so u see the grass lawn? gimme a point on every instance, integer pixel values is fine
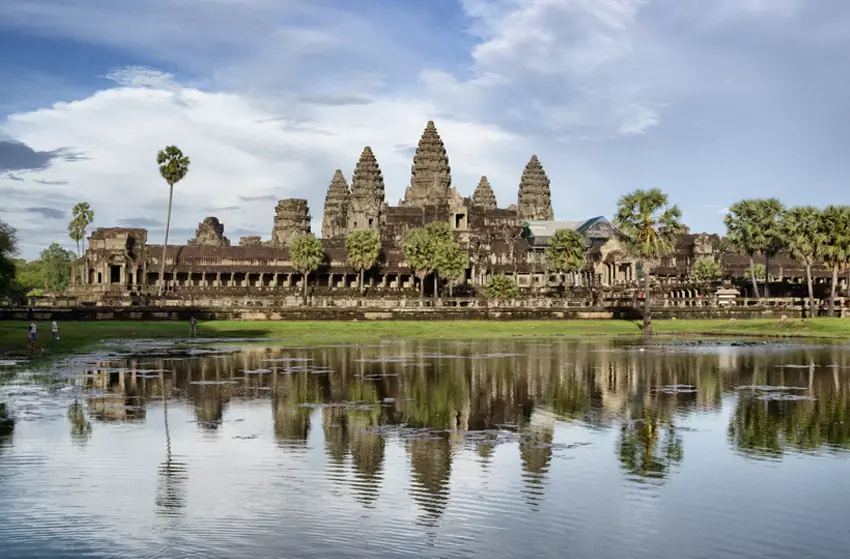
(85, 336)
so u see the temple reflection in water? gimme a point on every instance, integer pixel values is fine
(436, 399)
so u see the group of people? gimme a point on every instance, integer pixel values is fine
(54, 328)
(31, 333)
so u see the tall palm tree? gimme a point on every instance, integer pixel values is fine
(835, 235)
(770, 212)
(804, 240)
(81, 217)
(647, 227)
(173, 166)
(745, 235)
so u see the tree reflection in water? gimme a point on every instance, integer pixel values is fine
(442, 399)
(170, 495)
(80, 424)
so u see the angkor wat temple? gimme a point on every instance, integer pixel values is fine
(120, 260)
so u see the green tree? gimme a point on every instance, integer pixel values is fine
(362, 249)
(81, 217)
(804, 241)
(307, 255)
(647, 228)
(440, 238)
(8, 248)
(173, 166)
(835, 253)
(451, 261)
(56, 267)
(417, 253)
(566, 251)
(759, 271)
(421, 247)
(29, 275)
(754, 227)
(706, 270)
(501, 286)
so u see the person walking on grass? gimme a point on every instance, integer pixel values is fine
(31, 337)
(193, 326)
(55, 329)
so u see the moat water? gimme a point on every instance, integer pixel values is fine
(565, 448)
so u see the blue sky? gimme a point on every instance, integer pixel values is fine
(710, 100)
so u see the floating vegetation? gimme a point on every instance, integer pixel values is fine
(212, 382)
(677, 389)
(256, 371)
(782, 397)
(765, 388)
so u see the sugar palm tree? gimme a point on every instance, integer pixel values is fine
(362, 249)
(173, 166)
(647, 227)
(81, 217)
(770, 212)
(804, 240)
(566, 252)
(835, 236)
(307, 255)
(746, 234)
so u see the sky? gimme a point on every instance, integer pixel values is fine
(709, 100)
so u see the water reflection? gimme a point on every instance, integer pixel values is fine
(779, 406)
(451, 434)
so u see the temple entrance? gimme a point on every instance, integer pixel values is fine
(115, 274)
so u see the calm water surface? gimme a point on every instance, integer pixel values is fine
(597, 449)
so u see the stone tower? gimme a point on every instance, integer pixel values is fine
(534, 201)
(484, 195)
(337, 201)
(367, 194)
(291, 218)
(431, 175)
(210, 233)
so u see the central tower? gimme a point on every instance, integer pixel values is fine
(430, 175)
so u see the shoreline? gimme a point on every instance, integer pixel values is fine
(80, 337)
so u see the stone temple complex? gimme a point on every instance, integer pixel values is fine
(121, 260)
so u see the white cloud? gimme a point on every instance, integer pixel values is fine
(238, 151)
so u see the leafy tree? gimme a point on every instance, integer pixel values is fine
(647, 228)
(307, 255)
(771, 212)
(440, 239)
(706, 270)
(29, 275)
(501, 286)
(421, 247)
(173, 166)
(754, 227)
(804, 240)
(417, 253)
(362, 250)
(758, 269)
(835, 253)
(8, 248)
(566, 251)
(451, 261)
(56, 266)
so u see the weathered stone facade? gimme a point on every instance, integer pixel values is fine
(337, 203)
(292, 218)
(210, 233)
(535, 199)
(119, 261)
(484, 195)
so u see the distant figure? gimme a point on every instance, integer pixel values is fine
(55, 329)
(31, 337)
(193, 326)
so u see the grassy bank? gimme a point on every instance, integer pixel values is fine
(85, 336)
